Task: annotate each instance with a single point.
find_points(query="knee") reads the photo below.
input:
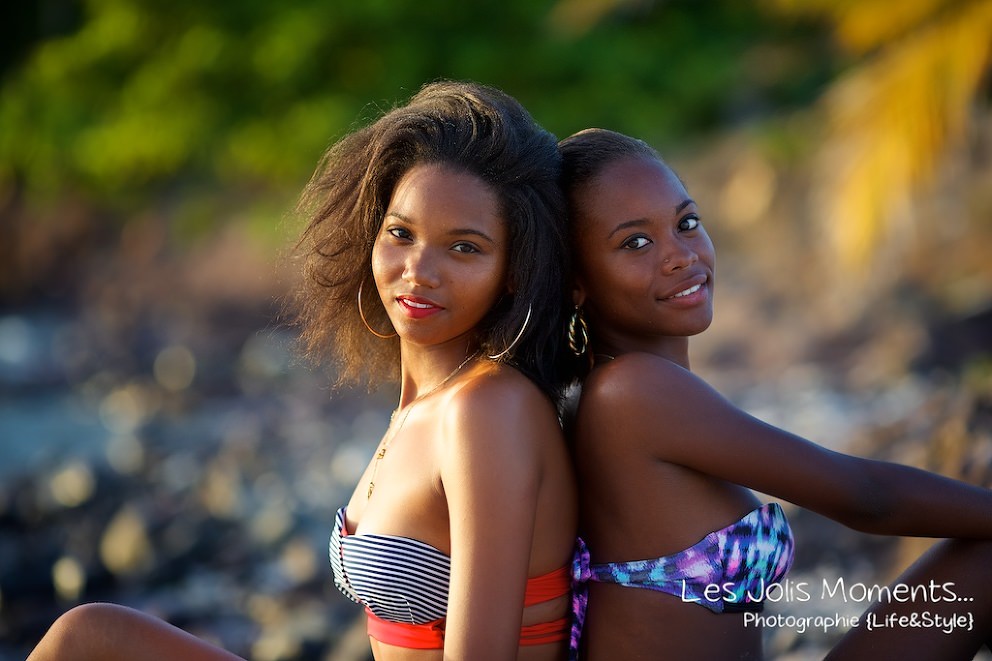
(978, 550)
(965, 562)
(77, 633)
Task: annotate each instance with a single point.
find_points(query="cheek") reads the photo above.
(589, 265)
(482, 287)
(491, 285)
(706, 250)
(605, 278)
(382, 262)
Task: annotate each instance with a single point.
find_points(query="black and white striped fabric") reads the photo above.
(399, 579)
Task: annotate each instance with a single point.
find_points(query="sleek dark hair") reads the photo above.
(471, 128)
(586, 153)
(584, 156)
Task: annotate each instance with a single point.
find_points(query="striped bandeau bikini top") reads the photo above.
(399, 579)
(403, 581)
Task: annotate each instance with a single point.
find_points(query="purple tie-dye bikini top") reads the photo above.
(729, 570)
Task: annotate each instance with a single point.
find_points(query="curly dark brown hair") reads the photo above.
(471, 128)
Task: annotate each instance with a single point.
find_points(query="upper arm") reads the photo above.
(669, 414)
(491, 473)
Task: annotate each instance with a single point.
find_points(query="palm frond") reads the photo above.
(886, 124)
(861, 25)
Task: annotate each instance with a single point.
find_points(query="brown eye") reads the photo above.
(689, 223)
(464, 247)
(636, 242)
(398, 232)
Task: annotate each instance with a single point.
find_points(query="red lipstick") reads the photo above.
(416, 307)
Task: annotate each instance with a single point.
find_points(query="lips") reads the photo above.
(416, 304)
(417, 307)
(688, 288)
(686, 292)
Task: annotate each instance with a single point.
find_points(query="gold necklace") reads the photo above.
(390, 435)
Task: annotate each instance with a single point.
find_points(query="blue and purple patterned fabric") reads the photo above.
(729, 570)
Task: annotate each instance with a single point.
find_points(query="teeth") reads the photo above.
(690, 290)
(414, 304)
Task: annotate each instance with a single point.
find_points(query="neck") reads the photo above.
(674, 349)
(423, 368)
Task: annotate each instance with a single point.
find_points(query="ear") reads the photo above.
(578, 293)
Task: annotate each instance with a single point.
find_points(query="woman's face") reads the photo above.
(645, 263)
(440, 258)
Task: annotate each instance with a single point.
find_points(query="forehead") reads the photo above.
(629, 189)
(440, 191)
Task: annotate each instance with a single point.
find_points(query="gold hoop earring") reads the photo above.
(578, 333)
(530, 308)
(365, 321)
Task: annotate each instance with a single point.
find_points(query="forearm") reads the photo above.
(907, 501)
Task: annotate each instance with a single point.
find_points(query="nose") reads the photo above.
(680, 255)
(420, 268)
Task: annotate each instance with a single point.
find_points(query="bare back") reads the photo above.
(636, 505)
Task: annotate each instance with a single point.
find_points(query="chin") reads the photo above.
(699, 326)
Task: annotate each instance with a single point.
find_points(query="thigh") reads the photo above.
(949, 615)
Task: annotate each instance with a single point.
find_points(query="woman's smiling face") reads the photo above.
(644, 262)
(440, 258)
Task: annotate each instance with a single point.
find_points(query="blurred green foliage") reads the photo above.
(127, 98)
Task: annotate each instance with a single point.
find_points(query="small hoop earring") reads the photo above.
(530, 308)
(578, 333)
(365, 321)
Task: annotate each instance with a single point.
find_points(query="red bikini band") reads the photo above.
(430, 635)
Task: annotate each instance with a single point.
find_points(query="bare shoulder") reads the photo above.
(627, 398)
(495, 392)
(636, 379)
(498, 405)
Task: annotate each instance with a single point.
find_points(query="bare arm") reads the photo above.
(675, 416)
(491, 475)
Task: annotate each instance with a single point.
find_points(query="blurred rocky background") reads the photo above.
(161, 443)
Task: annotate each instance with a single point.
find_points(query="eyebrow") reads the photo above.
(638, 222)
(454, 232)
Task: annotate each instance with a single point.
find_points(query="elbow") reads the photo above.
(870, 507)
(72, 635)
(870, 516)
